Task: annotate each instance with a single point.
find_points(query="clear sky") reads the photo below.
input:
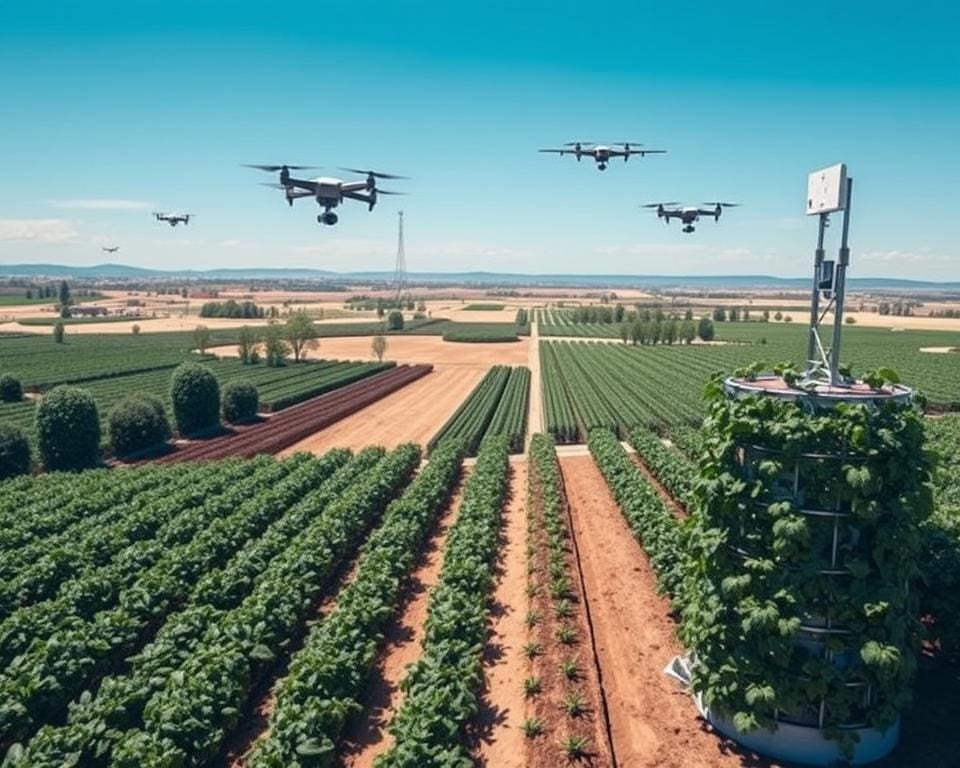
(112, 109)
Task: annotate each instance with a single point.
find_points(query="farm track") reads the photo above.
(497, 740)
(652, 720)
(366, 737)
(299, 421)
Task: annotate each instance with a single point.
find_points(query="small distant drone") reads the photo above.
(688, 214)
(602, 153)
(329, 192)
(110, 248)
(174, 218)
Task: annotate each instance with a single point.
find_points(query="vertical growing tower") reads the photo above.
(800, 608)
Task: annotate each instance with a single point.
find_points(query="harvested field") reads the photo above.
(414, 413)
(293, 424)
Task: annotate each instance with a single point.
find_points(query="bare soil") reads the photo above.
(414, 413)
(495, 735)
(653, 721)
(367, 737)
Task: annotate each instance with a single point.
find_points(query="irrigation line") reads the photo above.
(593, 638)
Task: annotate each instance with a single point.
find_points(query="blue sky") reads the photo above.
(113, 108)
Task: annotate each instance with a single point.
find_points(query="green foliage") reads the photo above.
(395, 320)
(301, 334)
(443, 687)
(327, 678)
(137, 423)
(195, 397)
(11, 390)
(480, 335)
(240, 402)
(15, 455)
(68, 429)
(496, 406)
(759, 568)
(58, 332)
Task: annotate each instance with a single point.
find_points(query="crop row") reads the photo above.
(659, 532)
(96, 725)
(442, 687)
(496, 406)
(328, 677)
(186, 722)
(297, 422)
(670, 467)
(71, 648)
(555, 619)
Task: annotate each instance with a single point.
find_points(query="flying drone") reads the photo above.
(110, 248)
(174, 218)
(602, 153)
(329, 192)
(688, 214)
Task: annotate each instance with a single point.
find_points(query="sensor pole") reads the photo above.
(839, 290)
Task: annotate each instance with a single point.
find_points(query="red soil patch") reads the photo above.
(366, 737)
(653, 721)
(495, 734)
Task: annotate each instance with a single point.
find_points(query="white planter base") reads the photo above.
(794, 743)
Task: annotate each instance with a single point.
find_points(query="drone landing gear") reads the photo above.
(329, 218)
(688, 229)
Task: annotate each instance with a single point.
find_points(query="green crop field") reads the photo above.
(484, 307)
(80, 320)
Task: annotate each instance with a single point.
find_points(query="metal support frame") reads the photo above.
(823, 365)
(400, 270)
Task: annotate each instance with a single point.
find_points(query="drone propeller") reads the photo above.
(271, 184)
(374, 174)
(657, 205)
(388, 192)
(627, 143)
(275, 168)
(581, 143)
(722, 204)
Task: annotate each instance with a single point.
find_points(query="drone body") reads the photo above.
(328, 191)
(174, 218)
(688, 214)
(603, 153)
(110, 248)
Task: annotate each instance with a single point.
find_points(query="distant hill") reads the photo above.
(700, 282)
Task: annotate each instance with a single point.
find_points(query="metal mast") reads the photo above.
(400, 270)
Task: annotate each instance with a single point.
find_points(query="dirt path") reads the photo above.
(414, 413)
(652, 719)
(535, 413)
(497, 739)
(366, 737)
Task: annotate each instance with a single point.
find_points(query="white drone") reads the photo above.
(602, 153)
(329, 192)
(688, 214)
(174, 218)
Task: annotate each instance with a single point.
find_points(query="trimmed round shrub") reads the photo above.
(195, 394)
(240, 401)
(68, 429)
(15, 458)
(395, 321)
(11, 390)
(136, 424)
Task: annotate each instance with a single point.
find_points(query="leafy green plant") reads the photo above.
(532, 618)
(566, 634)
(532, 686)
(574, 704)
(532, 727)
(575, 747)
(532, 650)
(569, 669)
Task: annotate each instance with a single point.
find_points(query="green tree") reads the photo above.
(195, 395)
(688, 331)
(240, 401)
(68, 429)
(15, 458)
(58, 331)
(247, 345)
(136, 424)
(379, 346)
(395, 320)
(201, 338)
(64, 299)
(719, 315)
(705, 329)
(11, 390)
(301, 334)
(274, 347)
